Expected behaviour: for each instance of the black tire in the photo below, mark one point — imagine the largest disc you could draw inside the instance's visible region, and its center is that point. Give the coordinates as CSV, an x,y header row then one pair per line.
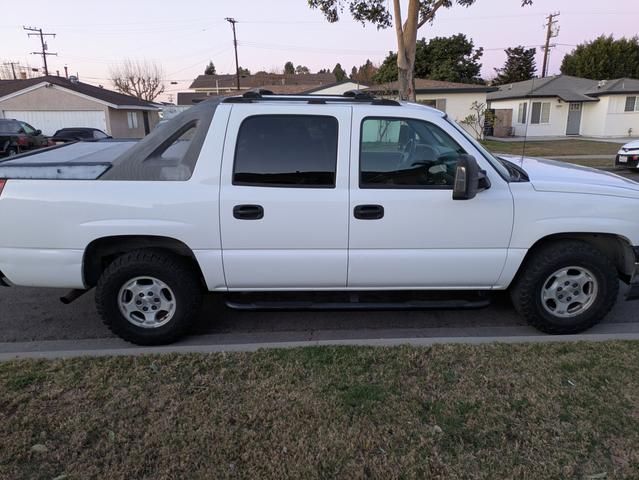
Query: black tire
x,y
526,292
178,274
12,151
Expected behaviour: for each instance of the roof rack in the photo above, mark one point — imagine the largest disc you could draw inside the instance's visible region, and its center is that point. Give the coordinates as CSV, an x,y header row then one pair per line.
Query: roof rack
x,y
351,96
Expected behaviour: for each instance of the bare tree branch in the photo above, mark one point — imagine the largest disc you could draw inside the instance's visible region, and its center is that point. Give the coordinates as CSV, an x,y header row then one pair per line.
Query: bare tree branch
x,y
141,79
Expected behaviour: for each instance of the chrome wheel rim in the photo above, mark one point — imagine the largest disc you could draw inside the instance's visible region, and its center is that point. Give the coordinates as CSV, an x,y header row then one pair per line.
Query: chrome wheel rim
x,y
569,292
147,302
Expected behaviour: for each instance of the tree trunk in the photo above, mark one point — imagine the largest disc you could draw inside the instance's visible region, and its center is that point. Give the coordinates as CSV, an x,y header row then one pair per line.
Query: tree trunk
x,y
406,83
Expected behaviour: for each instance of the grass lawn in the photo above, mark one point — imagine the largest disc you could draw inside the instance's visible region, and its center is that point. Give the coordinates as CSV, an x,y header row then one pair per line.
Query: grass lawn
x,y
552,411
553,148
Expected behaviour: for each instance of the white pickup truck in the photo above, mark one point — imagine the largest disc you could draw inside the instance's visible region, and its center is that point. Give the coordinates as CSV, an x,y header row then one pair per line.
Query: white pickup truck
x,y
346,201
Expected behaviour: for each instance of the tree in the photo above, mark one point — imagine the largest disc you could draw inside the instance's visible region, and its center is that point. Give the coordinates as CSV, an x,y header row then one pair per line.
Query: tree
x,y
604,58
141,79
451,59
302,70
419,13
289,68
210,69
353,75
339,72
244,71
475,120
365,73
519,66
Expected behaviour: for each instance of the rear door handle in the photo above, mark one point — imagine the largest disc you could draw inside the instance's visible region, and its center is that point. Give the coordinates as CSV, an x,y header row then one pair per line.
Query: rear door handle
x,y
248,212
369,212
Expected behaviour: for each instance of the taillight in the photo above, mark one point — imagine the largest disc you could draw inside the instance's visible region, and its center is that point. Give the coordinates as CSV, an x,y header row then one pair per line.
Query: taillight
x,y
22,141
2,184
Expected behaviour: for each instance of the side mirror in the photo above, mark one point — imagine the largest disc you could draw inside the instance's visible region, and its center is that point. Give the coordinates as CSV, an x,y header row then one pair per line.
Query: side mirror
x,y
38,132
469,179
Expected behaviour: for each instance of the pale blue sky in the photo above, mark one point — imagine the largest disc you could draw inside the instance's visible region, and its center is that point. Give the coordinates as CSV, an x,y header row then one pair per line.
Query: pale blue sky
x,y
183,36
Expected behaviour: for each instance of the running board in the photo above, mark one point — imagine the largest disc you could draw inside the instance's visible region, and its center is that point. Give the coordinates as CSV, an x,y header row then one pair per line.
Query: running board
x,y
357,303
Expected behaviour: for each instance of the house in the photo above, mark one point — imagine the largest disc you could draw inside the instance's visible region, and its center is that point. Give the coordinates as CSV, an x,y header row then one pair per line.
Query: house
x,y
51,103
455,99
564,105
337,88
207,86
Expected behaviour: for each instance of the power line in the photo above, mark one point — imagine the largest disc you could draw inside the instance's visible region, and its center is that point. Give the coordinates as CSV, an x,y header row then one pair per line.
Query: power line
x,y
44,45
552,31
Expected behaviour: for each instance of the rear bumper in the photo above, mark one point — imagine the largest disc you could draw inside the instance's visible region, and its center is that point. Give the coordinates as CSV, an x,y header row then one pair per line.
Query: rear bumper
x,y
633,282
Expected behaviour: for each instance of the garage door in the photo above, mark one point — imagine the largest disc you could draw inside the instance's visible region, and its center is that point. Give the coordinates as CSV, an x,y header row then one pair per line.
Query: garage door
x,y
49,122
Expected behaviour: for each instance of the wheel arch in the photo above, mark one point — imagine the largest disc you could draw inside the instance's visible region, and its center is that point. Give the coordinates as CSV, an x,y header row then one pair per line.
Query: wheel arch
x,y
102,251
617,248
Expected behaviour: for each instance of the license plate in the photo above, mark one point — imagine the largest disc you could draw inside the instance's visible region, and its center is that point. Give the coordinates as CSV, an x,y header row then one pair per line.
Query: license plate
x,y
623,159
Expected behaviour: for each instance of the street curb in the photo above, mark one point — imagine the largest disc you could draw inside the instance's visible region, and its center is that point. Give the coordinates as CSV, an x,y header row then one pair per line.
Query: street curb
x,y
114,347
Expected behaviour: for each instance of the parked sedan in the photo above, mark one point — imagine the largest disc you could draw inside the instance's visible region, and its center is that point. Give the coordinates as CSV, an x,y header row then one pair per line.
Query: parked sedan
x,y
74,134
628,156
26,137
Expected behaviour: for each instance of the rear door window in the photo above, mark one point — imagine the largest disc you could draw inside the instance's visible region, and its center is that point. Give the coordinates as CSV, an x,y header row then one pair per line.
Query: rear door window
x,y
287,151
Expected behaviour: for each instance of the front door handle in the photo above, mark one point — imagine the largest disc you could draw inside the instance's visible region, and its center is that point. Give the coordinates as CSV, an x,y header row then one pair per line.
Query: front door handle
x,y
248,212
369,212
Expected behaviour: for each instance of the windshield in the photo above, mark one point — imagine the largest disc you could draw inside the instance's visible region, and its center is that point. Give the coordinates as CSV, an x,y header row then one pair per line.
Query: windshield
x,y
497,165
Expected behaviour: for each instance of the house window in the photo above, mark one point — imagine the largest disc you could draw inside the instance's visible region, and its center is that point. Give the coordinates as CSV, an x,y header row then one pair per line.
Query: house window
x,y
438,103
522,115
286,151
406,153
540,113
132,118
632,104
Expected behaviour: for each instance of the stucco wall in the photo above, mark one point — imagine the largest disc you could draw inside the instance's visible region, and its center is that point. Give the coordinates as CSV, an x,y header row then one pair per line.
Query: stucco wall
x,y
340,89
557,122
49,99
617,120
119,123
593,118
458,105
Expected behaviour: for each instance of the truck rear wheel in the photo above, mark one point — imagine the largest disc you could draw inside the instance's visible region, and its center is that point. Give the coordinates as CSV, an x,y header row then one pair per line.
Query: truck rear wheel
x,y
149,297
566,288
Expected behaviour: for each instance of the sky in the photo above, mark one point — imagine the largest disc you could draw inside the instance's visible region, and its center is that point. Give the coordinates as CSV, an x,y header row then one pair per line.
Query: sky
x,y
92,37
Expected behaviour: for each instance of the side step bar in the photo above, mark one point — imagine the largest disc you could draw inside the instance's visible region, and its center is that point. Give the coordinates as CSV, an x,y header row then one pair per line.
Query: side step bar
x,y
245,302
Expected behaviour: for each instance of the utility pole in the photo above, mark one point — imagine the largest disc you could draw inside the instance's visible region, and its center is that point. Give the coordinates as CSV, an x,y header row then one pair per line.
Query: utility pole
x,y
232,21
44,45
13,68
552,31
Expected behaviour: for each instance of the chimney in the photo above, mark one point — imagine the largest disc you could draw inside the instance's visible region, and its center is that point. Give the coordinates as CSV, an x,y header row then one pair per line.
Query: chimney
x,y
66,72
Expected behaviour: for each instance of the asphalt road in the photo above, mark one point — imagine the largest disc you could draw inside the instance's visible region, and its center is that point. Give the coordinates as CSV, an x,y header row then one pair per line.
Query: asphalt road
x,y
29,314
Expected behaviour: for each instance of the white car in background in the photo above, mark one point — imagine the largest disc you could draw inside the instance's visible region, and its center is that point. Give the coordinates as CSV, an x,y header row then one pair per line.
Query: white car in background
x,y
628,155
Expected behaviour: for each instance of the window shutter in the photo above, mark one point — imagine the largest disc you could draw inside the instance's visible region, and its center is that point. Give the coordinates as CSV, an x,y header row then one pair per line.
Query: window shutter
x,y
545,112
630,104
440,104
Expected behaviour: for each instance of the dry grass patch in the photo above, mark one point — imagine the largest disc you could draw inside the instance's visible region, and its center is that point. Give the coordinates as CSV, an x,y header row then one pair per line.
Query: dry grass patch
x,y
553,148
447,412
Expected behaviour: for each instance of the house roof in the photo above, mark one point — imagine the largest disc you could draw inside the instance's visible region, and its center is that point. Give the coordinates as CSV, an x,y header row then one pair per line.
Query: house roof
x,y
211,82
8,87
191,98
618,86
566,87
425,85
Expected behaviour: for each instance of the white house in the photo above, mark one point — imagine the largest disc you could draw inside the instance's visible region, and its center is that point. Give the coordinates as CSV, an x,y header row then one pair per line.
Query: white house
x,y
563,105
455,99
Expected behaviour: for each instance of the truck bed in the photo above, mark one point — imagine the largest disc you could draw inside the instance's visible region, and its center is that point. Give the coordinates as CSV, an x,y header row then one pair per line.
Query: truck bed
x,y
71,161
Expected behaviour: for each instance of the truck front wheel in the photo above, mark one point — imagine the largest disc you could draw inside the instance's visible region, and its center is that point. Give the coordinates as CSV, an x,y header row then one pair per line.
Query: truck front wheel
x,y
565,287
149,297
